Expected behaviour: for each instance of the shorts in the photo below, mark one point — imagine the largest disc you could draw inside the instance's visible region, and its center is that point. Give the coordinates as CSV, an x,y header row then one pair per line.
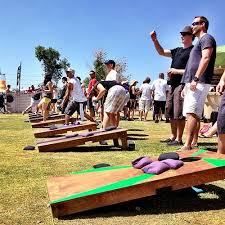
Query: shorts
x,y
144,105
131,104
116,99
194,100
221,117
174,103
34,103
54,100
159,105
73,107
45,100
90,104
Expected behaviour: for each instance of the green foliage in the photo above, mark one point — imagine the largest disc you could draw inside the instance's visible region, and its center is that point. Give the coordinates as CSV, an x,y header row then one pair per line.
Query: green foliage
x,y
51,62
100,69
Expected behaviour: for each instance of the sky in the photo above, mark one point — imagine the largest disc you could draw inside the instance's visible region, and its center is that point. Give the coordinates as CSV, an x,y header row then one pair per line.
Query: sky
x,y
77,28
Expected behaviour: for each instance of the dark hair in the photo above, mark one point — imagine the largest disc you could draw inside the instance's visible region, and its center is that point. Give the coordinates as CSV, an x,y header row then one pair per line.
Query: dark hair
x,y
79,79
8,86
32,87
204,20
161,75
147,80
64,78
47,79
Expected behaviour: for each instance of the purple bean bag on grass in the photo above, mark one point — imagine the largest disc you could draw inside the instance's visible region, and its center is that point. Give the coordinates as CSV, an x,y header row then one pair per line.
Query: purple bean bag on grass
x,y
173,164
156,167
141,162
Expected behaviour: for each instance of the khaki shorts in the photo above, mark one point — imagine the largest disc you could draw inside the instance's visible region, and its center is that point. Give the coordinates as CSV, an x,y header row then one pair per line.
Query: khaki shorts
x,y
144,105
174,103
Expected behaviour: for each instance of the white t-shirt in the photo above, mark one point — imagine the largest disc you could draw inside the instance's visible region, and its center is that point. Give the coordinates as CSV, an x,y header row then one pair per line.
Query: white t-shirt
x,y
77,92
146,90
112,75
160,87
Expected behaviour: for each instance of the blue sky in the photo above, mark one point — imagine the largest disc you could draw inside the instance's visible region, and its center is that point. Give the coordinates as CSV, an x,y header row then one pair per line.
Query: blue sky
x,y
77,28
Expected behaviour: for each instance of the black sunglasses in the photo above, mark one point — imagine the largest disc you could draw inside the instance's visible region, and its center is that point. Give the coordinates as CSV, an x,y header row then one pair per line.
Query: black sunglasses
x,y
184,34
196,23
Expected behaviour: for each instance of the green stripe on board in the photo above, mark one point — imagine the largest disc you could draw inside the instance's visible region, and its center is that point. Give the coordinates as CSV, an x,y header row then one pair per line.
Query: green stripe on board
x,y
215,162
109,187
101,169
199,152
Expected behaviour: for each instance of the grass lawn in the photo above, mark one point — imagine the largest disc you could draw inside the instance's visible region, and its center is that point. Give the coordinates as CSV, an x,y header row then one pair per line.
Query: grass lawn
x,y
23,175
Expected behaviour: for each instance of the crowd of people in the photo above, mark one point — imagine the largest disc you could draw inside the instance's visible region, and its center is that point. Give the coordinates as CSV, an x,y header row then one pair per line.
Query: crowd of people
x,y
180,99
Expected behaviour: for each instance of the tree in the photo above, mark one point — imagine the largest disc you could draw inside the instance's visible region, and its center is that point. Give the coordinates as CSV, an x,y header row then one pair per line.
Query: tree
x,y
51,62
100,68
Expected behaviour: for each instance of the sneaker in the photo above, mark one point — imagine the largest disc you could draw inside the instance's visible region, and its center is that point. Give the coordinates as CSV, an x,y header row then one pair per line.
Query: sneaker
x,y
166,140
175,143
156,121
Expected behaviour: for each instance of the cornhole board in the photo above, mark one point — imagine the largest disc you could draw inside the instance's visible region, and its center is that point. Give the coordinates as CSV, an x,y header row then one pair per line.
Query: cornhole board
x,y
52,117
94,188
60,143
39,115
61,129
50,122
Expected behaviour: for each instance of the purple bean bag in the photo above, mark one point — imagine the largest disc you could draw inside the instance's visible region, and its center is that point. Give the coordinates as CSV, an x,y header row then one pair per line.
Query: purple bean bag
x,y
88,134
71,135
156,167
173,164
76,123
141,162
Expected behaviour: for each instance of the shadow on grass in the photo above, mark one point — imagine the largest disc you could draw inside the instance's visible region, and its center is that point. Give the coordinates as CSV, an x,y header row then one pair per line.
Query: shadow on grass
x,y
135,130
168,203
99,148
137,135
136,139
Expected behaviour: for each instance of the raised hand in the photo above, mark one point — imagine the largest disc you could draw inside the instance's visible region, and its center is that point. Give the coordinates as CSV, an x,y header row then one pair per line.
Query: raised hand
x,y
153,35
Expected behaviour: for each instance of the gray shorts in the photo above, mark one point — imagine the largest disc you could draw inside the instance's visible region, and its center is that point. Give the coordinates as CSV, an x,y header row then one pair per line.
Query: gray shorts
x,y
73,107
221,116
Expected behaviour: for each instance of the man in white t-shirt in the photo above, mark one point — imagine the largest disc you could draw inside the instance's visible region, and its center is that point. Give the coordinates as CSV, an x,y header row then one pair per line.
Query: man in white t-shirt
x,y
112,74
76,97
145,100
160,89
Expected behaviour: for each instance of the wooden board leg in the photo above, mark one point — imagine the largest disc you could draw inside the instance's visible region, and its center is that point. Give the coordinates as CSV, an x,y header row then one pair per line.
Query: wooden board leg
x,y
124,141
116,142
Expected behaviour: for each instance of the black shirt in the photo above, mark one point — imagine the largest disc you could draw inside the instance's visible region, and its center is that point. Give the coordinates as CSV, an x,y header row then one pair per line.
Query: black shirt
x,y
180,58
206,41
107,84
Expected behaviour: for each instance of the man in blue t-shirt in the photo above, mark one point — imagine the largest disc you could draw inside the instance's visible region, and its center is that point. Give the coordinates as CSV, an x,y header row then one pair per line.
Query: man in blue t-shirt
x,y
174,102
197,78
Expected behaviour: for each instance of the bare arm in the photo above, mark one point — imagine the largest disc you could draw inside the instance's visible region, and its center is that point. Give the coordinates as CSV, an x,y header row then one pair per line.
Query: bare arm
x,y
221,86
101,90
158,47
68,91
204,62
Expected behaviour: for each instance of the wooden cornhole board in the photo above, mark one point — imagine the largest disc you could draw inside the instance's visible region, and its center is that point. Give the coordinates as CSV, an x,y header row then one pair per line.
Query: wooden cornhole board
x,y
94,188
61,143
39,115
52,117
46,132
50,122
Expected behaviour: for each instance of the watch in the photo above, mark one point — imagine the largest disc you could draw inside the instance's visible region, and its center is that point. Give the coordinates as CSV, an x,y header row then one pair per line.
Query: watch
x,y
196,79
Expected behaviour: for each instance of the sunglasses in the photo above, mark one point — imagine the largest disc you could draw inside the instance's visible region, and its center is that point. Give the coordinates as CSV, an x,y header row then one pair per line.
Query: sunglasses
x,y
185,34
196,23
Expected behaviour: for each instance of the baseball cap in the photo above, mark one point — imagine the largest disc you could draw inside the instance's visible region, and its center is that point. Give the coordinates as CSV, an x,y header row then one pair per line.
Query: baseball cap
x,y
186,29
110,61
